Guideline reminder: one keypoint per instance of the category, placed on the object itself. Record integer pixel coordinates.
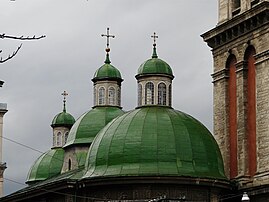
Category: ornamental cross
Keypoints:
(107, 38)
(154, 38)
(64, 94)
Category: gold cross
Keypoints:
(107, 39)
(154, 38)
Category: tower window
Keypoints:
(118, 96)
(65, 137)
(170, 95)
(139, 94)
(69, 164)
(236, 4)
(94, 95)
(111, 96)
(161, 94)
(149, 93)
(59, 139)
(101, 96)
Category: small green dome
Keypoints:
(107, 71)
(63, 119)
(90, 123)
(154, 141)
(46, 166)
(155, 66)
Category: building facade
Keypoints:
(240, 48)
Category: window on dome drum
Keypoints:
(59, 139)
(139, 89)
(149, 93)
(111, 96)
(94, 95)
(65, 137)
(170, 95)
(118, 96)
(101, 96)
(161, 94)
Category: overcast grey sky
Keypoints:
(73, 49)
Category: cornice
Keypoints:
(239, 25)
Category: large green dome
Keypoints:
(155, 141)
(90, 123)
(63, 119)
(46, 166)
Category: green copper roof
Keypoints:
(90, 123)
(107, 71)
(154, 141)
(47, 165)
(63, 119)
(155, 66)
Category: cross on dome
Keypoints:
(107, 35)
(154, 36)
(64, 94)
(154, 54)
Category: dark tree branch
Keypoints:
(10, 56)
(3, 36)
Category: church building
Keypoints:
(157, 153)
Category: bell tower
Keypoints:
(240, 48)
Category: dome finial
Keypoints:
(154, 54)
(64, 94)
(107, 35)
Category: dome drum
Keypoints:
(133, 188)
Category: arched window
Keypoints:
(251, 109)
(170, 95)
(149, 93)
(59, 139)
(139, 89)
(161, 94)
(119, 96)
(94, 95)
(101, 96)
(65, 137)
(232, 112)
(111, 96)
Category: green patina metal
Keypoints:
(154, 66)
(155, 141)
(63, 119)
(90, 123)
(46, 166)
(81, 158)
(107, 71)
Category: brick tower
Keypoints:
(240, 47)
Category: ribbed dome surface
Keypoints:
(107, 71)
(155, 141)
(90, 123)
(155, 66)
(63, 119)
(46, 166)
